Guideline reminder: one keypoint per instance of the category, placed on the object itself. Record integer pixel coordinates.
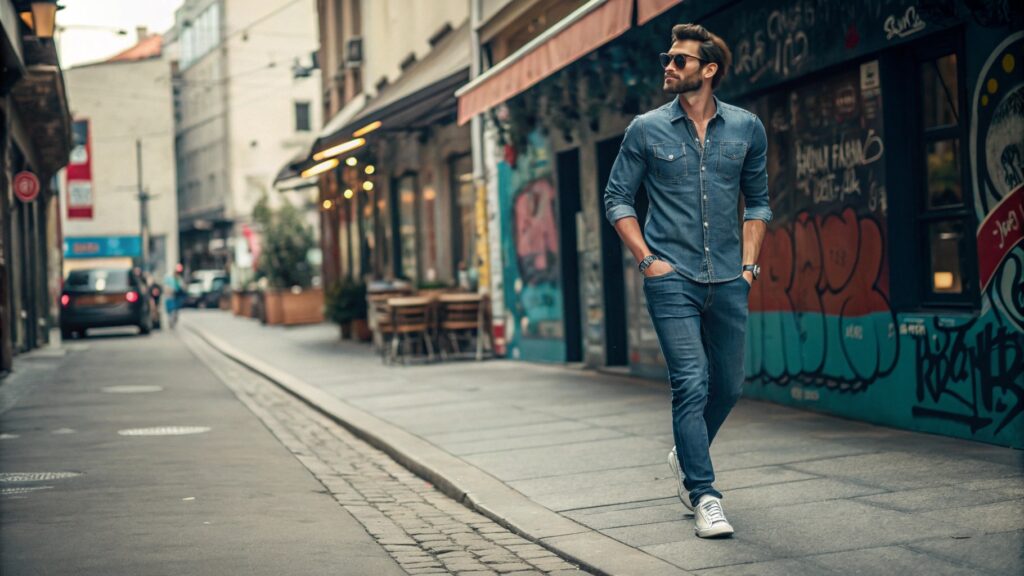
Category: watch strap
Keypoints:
(647, 262)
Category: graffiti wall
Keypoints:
(775, 40)
(531, 255)
(822, 332)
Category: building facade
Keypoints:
(124, 146)
(247, 100)
(34, 145)
(892, 269)
(400, 204)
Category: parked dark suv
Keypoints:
(103, 297)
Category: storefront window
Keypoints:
(944, 217)
(939, 89)
(385, 244)
(464, 221)
(944, 238)
(407, 210)
(428, 235)
(944, 182)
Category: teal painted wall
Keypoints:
(530, 250)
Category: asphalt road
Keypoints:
(126, 455)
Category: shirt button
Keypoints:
(705, 224)
(705, 197)
(706, 249)
(701, 167)
(671, 157)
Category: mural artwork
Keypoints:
(822, 328)
(532, 261)
(970, 373)
(821, 313)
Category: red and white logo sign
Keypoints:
(26, 186)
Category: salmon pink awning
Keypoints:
(647, 10)
(589, 27)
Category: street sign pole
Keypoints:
(143, 212)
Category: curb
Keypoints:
(463, 482)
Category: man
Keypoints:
(694, 156)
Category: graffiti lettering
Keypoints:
(909, 24)
(985, 381)
(782, 47)
(826, 288)
(1003, 228)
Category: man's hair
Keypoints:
(712, 48)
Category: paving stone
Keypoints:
(505, 568)
(1001, 553)
(890, 560)
(786, 567)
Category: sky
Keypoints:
(90, 26)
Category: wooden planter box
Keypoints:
(286, 308)
(361, 330)
(241, 304)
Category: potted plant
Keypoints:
(345, 304)
(289, 297)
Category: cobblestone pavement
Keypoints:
(424, 530)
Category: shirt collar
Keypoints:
(677, 112)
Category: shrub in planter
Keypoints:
(284, 265)
(346, 306)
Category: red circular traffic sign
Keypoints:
(26, 186)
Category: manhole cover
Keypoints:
(164, 431)
(132, 389)
(35, 476)
(22, 490)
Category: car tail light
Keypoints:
(65, 300)
(132, 297)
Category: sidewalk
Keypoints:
(576, 461)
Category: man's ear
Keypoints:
(710, 70)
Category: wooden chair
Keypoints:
(461, 316)
(411, 319)
(380, 322)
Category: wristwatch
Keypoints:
(753, 269)
(647, 262)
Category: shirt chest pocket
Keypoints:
(730, 159)
(668, 162)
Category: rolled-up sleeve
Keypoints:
(754, 180)
(627, 174)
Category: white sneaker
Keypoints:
(684, 495)
(710, 519)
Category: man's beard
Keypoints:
(683, 85)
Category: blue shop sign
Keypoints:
(102, 247)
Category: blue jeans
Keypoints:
(702, 331)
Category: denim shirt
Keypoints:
(692, 222)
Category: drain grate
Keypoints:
(164, 431)
(35, 476)
(132, 389)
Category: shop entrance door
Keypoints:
(568, 166)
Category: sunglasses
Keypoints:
(678, 59)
